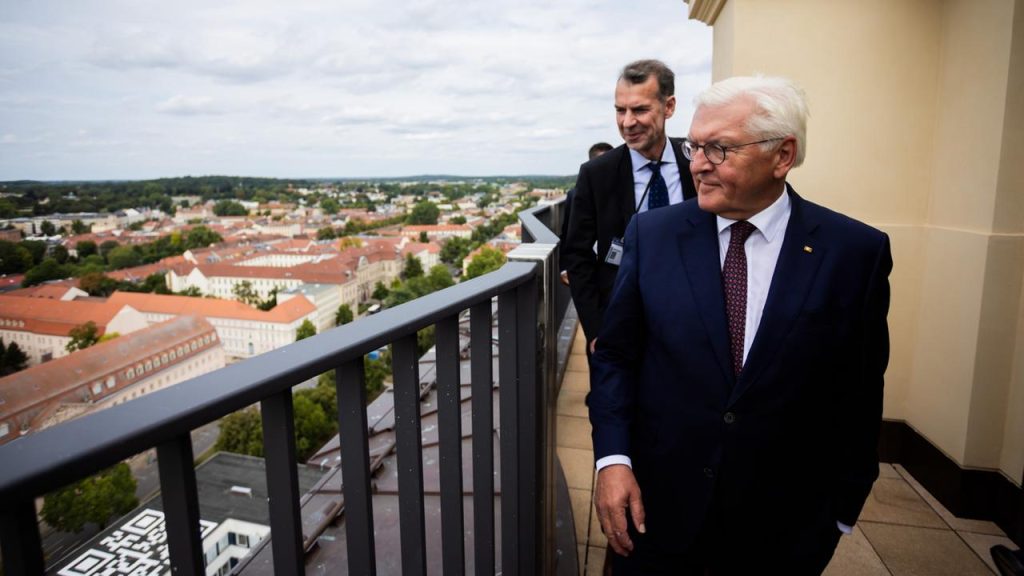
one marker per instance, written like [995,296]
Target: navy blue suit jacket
[791,445]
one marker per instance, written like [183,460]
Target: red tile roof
[40,390]
[286,312]
[54,317]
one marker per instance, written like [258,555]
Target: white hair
[780,107]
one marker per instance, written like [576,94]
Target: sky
[138,89]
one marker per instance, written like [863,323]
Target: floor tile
[582,558]
[917,551]
[580,500]
[572,403]
[578,465]
[982,543]
[893,501]
[855,557]
[577,363]
[573,432]
[576,382]
[959,524]
[595,561]
[597,537]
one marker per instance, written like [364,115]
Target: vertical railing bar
[529,418]
[508,380]
[350,382]
[282,483]
[180,497]
[482,376]
[20,544]
[405,367]
[449,421]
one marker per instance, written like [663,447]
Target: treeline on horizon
[36,198]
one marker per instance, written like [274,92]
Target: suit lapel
[793,277]
[698,246]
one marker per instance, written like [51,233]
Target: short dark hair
[598,149]
[638,72]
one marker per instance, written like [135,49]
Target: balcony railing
[530,307]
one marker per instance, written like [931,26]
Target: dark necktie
[734,279]
[659,190]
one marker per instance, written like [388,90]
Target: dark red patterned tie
[734,279]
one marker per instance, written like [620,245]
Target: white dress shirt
[762,249]
[642,175]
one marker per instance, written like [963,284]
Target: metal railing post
[545,382]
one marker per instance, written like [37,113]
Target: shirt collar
[640,162]
[770,221]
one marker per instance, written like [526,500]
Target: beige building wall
[917,127]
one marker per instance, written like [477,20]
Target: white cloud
[188,106]
[315,88]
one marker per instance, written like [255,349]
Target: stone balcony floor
[903,530]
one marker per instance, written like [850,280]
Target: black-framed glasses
[715,152]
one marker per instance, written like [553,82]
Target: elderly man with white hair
[736,387]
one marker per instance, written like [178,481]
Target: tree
[315,413]
[229,208]
[47,228]
[14,360]
[7,208]
[329,206]
[123,257]
[413,267]
[242,433]
[37,248]
[457,220]
[49,269]
[424,213]
[107,246]
[93,500]
[313,427]
[201,237]
[85,248]
[14,258]
[244,293]
[488,260]
[305,330]
[455,250]
[97,284]
[343,316]
[326,233]
[439,277]
[79,227]
[83,336]
[59,253]
[380,291]
[350,242]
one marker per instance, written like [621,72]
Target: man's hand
[564,277]
[593,345]
[616,491]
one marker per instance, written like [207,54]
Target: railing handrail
[53,457]
[538,230]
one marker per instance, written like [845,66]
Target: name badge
[614,256]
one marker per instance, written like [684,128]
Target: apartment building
[107,374]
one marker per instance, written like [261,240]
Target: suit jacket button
[729,417]
[709,472]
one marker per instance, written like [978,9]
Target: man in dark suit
[595,151]
[643,173]
[736,387]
